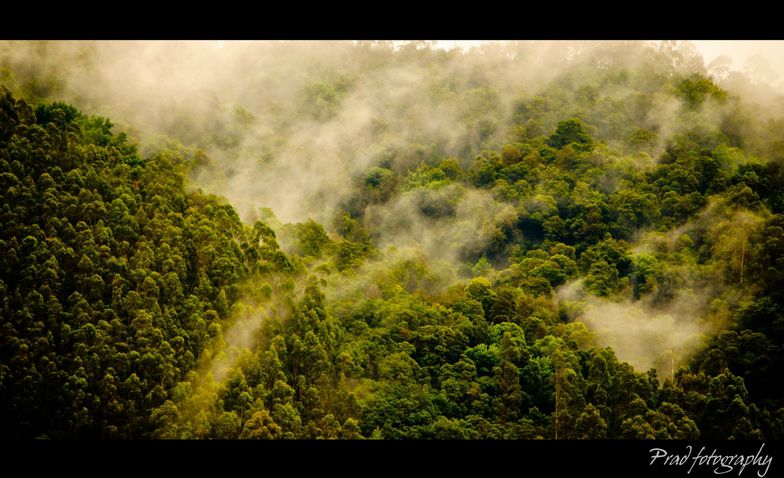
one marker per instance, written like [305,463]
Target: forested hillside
[357,240]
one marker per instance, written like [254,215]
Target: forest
[373,240]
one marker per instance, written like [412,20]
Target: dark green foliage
[571,131]
[695,90]
[118,279]
[311,238]
[113,277]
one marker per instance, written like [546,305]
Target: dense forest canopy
[557,240]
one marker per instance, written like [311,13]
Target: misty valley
[389,240]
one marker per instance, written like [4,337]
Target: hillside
[354,240]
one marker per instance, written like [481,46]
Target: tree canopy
[460,290]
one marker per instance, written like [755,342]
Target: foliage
[126,293]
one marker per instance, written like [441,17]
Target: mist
[297,126]
[390,239]
[664,328]
[293,125]
[644,334]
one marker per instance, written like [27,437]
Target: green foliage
[59,113]
[322,99]
[121,285]
[571,132]
[696,89]
[312,238]
[112,278]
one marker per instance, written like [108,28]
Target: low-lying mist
[295,126]
[290,125]
[685,303]
[644,334]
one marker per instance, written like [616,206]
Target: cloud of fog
[667,326]
[241,335]
[761,60]
[425,238]
[290,125]
[293,126]
[447,224]
[644,334]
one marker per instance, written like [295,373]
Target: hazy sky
[741,50]
[745,55]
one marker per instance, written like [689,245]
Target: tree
[590,424]
[571,131]
[261,426]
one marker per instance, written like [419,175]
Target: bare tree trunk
[556,402]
